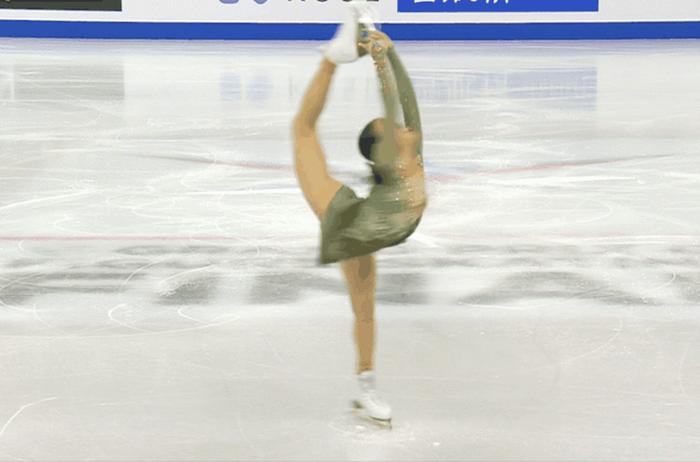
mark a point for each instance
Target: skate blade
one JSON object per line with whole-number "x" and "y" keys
{"x": 385, "y": 423}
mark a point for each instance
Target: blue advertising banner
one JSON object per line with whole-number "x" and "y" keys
{"x": 318, "y": 31}
{"x": 495, "y": 6}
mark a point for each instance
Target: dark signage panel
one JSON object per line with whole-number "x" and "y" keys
{"x": 86, "y": 5}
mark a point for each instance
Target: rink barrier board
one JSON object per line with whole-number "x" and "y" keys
{"x": 323, "y": 31}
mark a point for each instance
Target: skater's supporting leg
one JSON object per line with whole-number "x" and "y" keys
{"x": 316, "y": 183}
{"x": 361, "y": 278}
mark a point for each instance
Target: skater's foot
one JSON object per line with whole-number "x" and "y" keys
{"x": 366, "y": 19}
{"x": 343, "y": 48}
{"x": 360, "y": 408}
{"x": 376, "y": 408}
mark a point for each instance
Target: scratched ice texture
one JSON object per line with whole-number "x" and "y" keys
{"x": 159, "y": 292}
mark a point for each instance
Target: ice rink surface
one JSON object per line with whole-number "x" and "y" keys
{"x": 159, "y": 292}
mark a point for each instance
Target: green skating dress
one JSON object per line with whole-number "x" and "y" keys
{"x": 354, "y": 226}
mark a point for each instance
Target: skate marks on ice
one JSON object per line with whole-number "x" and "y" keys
{"x": 181, "y": 277}
{"x": 125, "y": 291}
{"x": 20, "y": 411}
{"x": 354, "y": 424}
{"x": 406, "y": 439}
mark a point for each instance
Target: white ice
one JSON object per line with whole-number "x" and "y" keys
{"x": 159, "y": 293}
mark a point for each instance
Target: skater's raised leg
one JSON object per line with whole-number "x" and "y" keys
{"x": 316, "y": 183}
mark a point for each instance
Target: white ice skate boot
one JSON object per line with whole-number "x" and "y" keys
{"x": 366, "y": 18}
{"x": 343, "y": 47}
{"x": 375, "y": 407}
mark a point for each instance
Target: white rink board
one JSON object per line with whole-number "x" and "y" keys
{"x": 315, "y": 11}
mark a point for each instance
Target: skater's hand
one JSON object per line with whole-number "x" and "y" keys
{"x": 362, "y": 50}
{"x": 379, "y": 36}
{"x": 378, "y": 50}
{"x": 377, "y": 46}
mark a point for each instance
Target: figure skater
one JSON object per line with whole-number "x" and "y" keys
{"x": 352, "y": 228}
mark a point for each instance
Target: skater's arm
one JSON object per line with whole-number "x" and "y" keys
{"x": 389, "y": 91}
{"x": 407, "y": 94}
{"x": 388, "y": 147}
